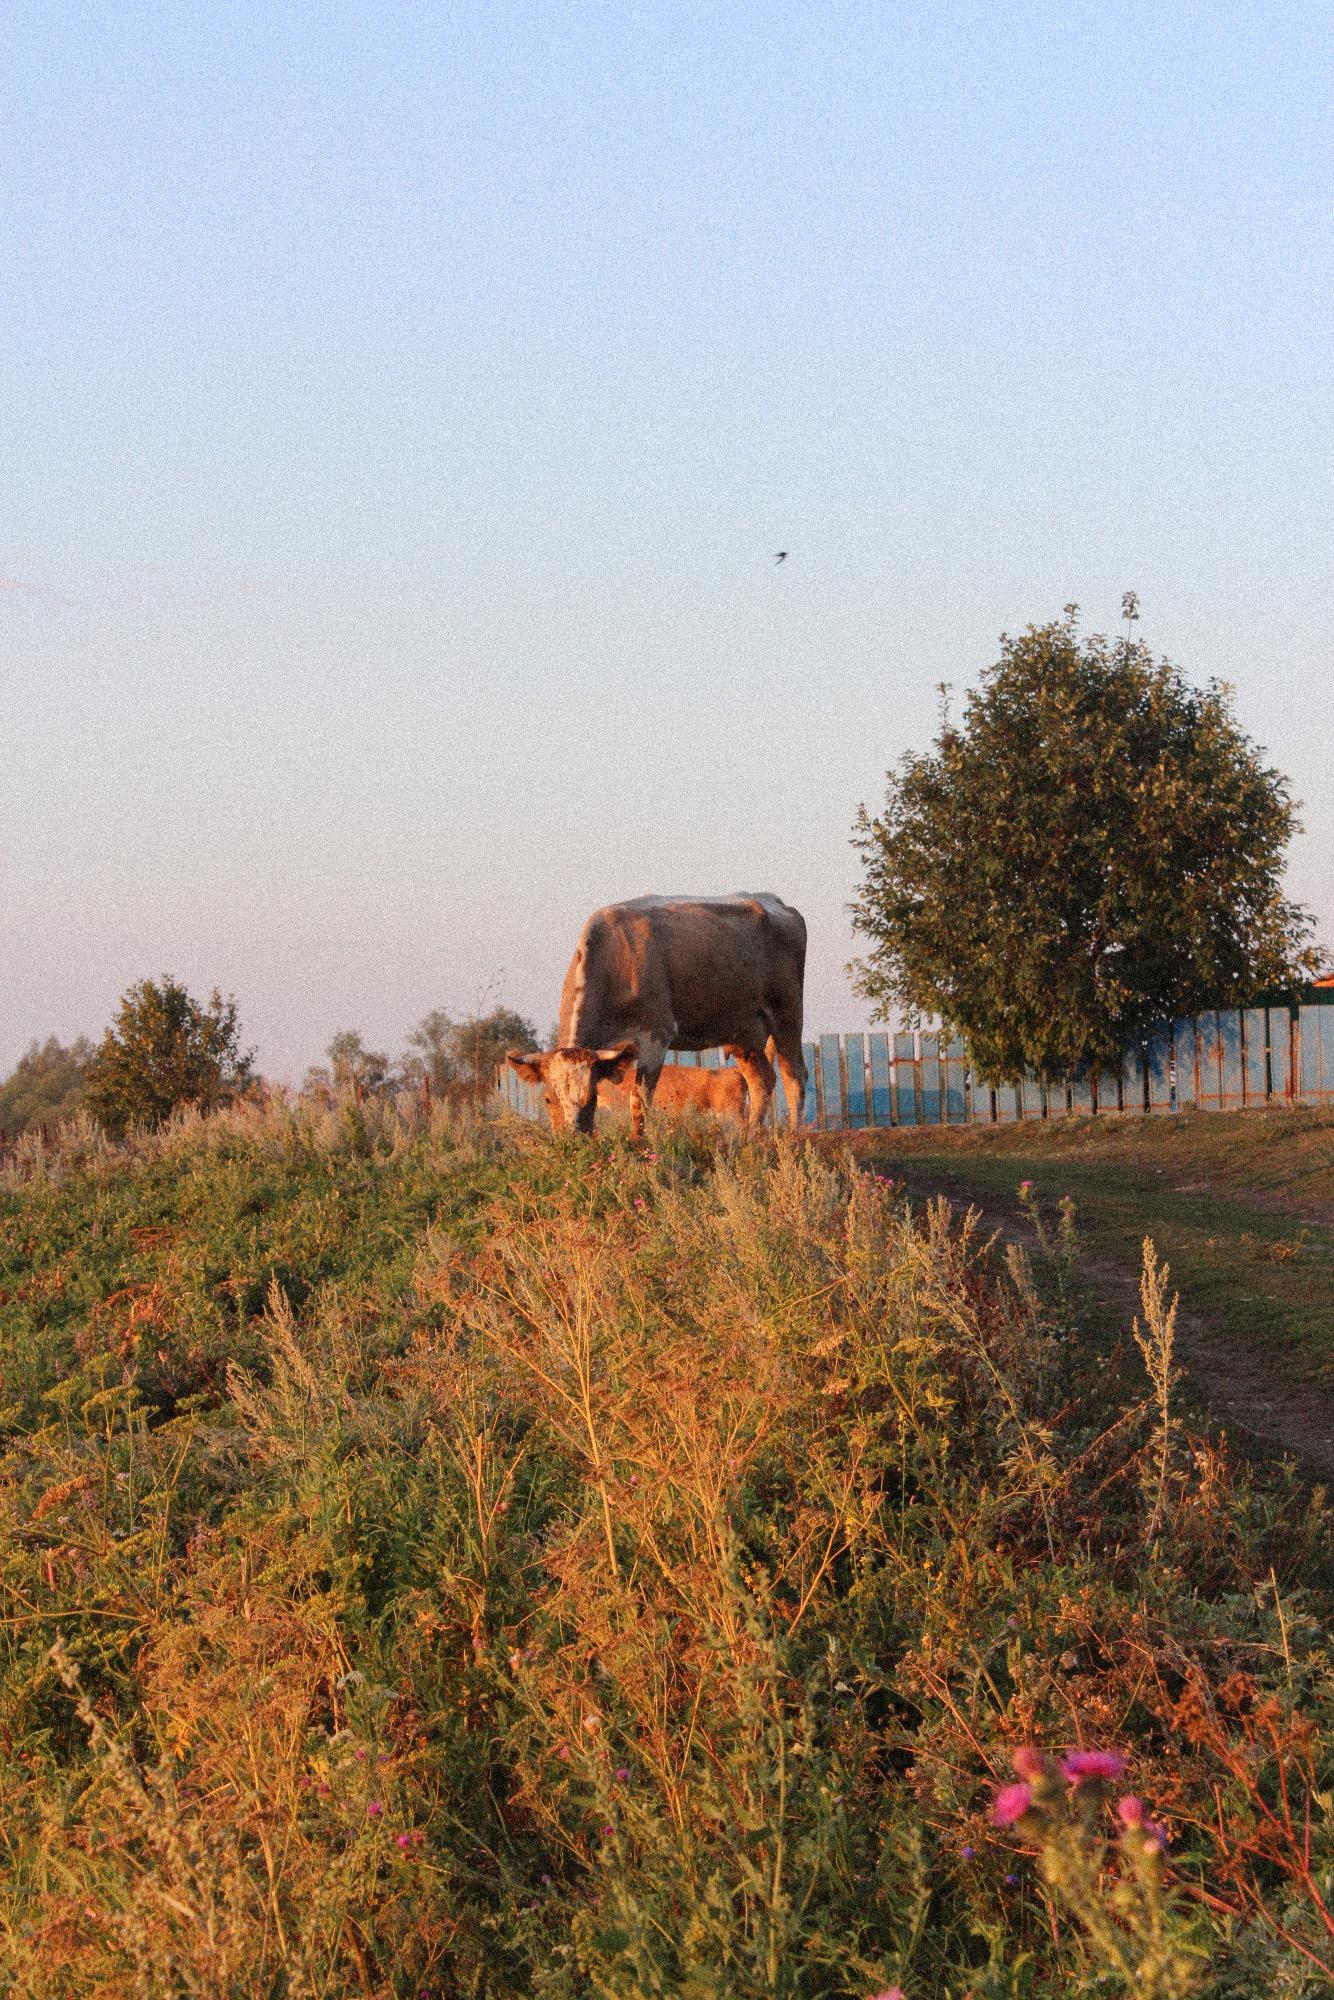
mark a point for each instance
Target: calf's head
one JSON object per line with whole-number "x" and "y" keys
{"x": 570, "y": 1079}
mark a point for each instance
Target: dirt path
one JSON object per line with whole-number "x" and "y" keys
{"x": 1267, "y": 1413}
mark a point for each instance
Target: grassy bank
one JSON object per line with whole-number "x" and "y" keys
{"x": 439, "y": 1560}
{"x": 1241, "y": 1204}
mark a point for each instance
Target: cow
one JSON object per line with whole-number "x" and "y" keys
{"x": 676, "y": 972}
{"x": 679, "y": 1089}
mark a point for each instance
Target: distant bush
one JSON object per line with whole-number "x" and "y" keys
{"x": 46, "y": 1084}
{"x": 165, "y": 1050}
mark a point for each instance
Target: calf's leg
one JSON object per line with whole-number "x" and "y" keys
{"x": 758, "y": 1071}
{"x": 792, "y": 1068}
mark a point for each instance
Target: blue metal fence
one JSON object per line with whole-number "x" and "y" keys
{"x": 1226, "y": 1059}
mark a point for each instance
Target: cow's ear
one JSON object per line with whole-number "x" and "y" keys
{"x": 616, "y": 1063}
{"x": 528, "y": 1067}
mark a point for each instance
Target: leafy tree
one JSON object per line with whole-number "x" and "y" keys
{"x": 163, "y": 1050}
{"x": 464, "y": 1055}
{"x": 354, "y": 1066}
{"x": 1098, "y": 847}
{"x": 430, "y": 1057}
{"x": 481, "y": 1040}
{"x": 45, "y": 1084}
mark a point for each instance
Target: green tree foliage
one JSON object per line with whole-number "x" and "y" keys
{"x": 46, "y": 1084}
{"x": 355, "y": 1067}
{"x": 1099, "y": 846}
{"x": 464, "y": 1055}
{"x": 164, "y": 1050}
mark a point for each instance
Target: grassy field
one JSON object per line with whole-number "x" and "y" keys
{"x": 1241, "y": 1204}
{"x": 439, "y": 1560}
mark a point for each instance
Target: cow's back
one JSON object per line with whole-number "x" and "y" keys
{"x": 692, "y": 968}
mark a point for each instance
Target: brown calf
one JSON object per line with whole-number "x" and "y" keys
{"x": 724, "y": 1092}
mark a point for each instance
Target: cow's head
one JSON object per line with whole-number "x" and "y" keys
{"x": 570, "y": 1079}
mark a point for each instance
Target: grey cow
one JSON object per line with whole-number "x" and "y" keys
{"x": 676, "y": 972}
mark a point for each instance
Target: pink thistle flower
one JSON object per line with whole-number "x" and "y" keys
{"x": 1079, "y": 1765}
{"x": 888, "y": 1993}
{"x": 1012, "y": 1802}
{"x": 1130, "y": 1811}
{"x": 623, "y": 1775}
{"x": 404, "y": 1841}
{"x": 1025, "y": 1187}
{"x": 563, "y": 1752}
{"x": 375, "y": 1808}
{"x": 1028, "y": 1762}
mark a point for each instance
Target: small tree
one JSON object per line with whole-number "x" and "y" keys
{"x": 481, "y": 1041}
{"x": 164, "y": 1050}
{"x": 354, "y": 1066}
{"x": 47, "y": 1083}
{"x": 430, "y": 1058}
{"x": 464, "y": 1055}
{"x": 1098, "y": 847}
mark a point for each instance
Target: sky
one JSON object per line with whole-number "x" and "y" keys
{"x": 400, "y": 409}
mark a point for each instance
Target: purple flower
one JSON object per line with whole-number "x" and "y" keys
{"x": 1103, "y": 1764}
{"x": 1130, "y": 1811}
{"x": 1012, "y": 1881}
{"x": 887, "y": 1993}
{"x": 375, "y": 1808}
{"x": 623, "y": 1775}
{"x": 404, "y": 1841}
{"x": 968, "y": 1852}
{"x": 1012, "y": 1802}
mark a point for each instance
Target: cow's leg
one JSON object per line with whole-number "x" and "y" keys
{"x": 647, "y": 1071}
{"x": 758, "y": 1071}
{"x": 792, "y": 1068}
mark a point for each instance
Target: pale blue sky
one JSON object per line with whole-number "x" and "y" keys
{"x": 401, "y": 406}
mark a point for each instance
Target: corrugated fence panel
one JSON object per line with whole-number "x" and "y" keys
{"x": 882, "y": 1088}
{"x": 810, "y": 1110}
{"x": 930, "y": 1074}
{"x": 1081, "y": 1094}
{"x": 1009, "y": 1103}
{"x": 1134, "y": 1080}
{"x": 858, "y": 1112}
{"x": 1183, "y": 1036}
{"x": 1283, "y": 1053}
{"x": 1282, "y": 1077}
{"x": 831, "y": 1084}
{"x": 1232, "y": 1070}
{"x": 956, "y": 1096}
{"x": 1158, "y": 1061}
{"x": 1255, "y": 1056}
{"x": 1109, "y": 1090}
{"x": 905, "y": 1079}
{"x": 1209, "y": 1059}
{"x": 1315, "y": 1039}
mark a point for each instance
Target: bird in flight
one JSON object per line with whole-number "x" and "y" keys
{"x": 781, "y": 556}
